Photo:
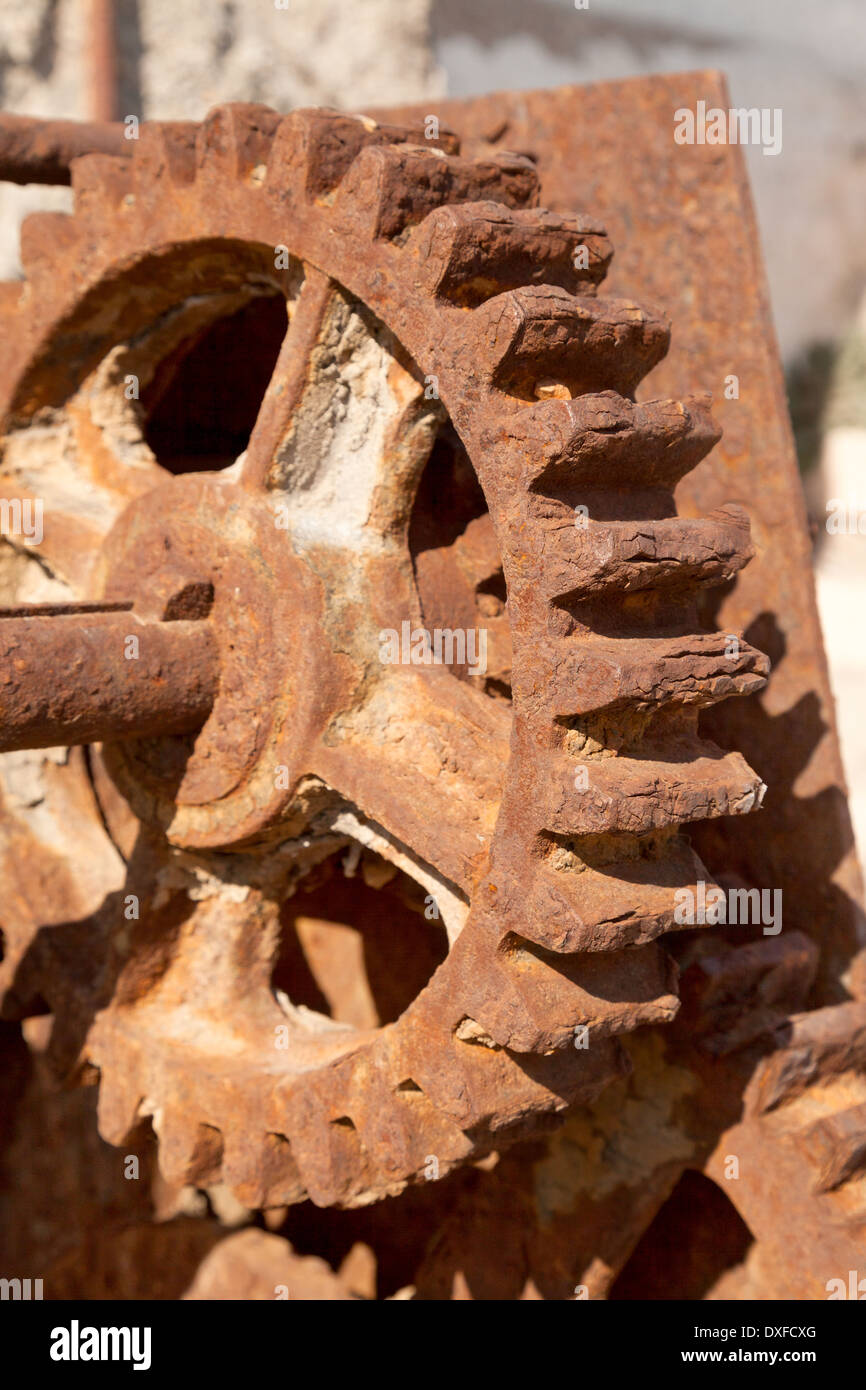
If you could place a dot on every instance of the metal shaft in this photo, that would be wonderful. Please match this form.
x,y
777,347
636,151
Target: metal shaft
x,y
40,151
103,61
85,677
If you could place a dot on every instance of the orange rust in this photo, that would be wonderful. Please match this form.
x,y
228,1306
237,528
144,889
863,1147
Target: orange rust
x,y
411,266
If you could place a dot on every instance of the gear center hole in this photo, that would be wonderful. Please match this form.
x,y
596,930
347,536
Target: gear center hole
x,y
358,947
203,399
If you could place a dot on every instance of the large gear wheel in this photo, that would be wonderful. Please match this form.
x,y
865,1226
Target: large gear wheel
x,y
443,332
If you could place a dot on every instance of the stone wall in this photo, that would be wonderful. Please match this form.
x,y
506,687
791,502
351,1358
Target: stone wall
x,y
175,61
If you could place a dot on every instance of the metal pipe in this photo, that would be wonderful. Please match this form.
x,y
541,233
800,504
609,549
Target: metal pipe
x,y
103,61
37,151
97,677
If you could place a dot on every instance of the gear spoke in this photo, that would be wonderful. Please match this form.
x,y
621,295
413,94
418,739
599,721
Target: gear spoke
x,y
289,379
424,759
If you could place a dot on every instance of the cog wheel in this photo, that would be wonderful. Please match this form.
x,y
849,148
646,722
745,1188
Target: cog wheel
x,y
447,427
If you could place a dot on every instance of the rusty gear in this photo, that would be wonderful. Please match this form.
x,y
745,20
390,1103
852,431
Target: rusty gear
x,y
431,306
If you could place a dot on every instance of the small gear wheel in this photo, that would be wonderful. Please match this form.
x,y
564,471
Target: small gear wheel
x,y
415,633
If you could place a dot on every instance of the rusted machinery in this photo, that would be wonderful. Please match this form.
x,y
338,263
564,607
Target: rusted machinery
x,y
339,924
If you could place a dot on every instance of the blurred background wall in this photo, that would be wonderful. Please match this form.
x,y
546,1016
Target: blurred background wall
x,y
175,60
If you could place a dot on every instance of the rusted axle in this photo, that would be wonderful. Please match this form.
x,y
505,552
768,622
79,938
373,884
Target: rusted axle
x,y
78,675
37,151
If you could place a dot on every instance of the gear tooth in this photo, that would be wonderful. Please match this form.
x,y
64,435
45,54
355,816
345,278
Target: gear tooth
x,y
282,1181
164,152
189,1150
806,1156
479,1083
469,252
633,796
117,1111
314,148
390,1125
381,133
542,338
823,1043
100,182
240,1167
324,1142
602,435
390,188
583,898
311,151
602,557
450,1081
836,1147
234,142
735,995
382,1118
426,1133
261,1170
591,444
529,1001
647,673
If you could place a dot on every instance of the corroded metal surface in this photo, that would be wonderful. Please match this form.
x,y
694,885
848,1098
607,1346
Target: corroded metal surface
x,y
121,677
37,151
444,332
